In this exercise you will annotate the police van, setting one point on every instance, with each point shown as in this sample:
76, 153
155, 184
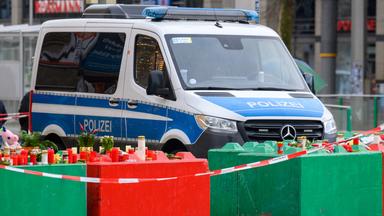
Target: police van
186, 79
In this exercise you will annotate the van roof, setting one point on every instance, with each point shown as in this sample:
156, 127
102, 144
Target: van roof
170, 26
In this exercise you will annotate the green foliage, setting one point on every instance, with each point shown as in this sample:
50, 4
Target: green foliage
35, 140
30, 139
86, 139
107, 143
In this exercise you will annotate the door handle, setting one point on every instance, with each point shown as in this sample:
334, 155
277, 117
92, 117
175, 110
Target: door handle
113, 102
132, 104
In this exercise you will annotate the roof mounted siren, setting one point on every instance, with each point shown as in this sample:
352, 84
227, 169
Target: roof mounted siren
203, 14
115, 11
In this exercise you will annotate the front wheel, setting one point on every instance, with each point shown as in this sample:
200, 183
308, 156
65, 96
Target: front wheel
174, 146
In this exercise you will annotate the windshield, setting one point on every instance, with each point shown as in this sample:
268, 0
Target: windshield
233, 62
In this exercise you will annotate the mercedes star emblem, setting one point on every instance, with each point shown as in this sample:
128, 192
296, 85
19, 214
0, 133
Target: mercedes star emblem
288, 132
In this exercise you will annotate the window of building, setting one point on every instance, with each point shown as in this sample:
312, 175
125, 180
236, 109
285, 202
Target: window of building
80, 62
5, 9
148, 57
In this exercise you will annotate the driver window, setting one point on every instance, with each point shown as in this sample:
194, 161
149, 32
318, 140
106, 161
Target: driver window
148, 57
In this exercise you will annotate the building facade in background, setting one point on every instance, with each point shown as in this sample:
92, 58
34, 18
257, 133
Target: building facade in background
17, 11
307, 37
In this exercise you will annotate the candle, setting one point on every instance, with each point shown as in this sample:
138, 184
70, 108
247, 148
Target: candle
14, 160
92, 157
44, 157
20, 159
18, 149
24, 152
74, 150
33, 158
25, 159
141, 147
51, 156
74, 158
83, 155
280, 147
115, 155
69, 150
356, 141
124, 157
7, 151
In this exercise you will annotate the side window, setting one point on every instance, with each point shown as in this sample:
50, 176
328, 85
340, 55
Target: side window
148, 57
80, 62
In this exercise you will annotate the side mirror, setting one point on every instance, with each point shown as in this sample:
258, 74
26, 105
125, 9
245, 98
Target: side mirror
310, 80
156, 84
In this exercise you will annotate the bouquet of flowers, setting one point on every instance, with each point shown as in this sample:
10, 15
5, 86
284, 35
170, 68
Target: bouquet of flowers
86, 138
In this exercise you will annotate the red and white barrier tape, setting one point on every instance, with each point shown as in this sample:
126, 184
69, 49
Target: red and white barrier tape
211, 173
13, 117
14, 114
138, 180
365, 133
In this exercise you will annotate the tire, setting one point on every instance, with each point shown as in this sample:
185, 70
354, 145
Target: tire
174, 146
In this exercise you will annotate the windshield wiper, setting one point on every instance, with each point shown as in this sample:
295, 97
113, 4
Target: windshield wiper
212, 88
270, 89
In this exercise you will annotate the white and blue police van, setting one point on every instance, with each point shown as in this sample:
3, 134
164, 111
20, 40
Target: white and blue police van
186, 79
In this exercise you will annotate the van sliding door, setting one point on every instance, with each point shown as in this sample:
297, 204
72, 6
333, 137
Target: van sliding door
102, 64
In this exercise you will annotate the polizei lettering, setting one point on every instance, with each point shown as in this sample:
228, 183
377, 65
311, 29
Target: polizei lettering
100, 125
275, 104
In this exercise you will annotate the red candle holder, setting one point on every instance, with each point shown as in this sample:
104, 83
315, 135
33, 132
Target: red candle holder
51, 156
14, 160
92, 157
74, 158
69, 150
115, 155
83, 156
20, 159
33, 159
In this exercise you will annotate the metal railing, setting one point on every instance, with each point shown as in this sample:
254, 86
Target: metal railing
355, 112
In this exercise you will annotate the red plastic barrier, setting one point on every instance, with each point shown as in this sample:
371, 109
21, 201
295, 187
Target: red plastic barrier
182, 196
380, 147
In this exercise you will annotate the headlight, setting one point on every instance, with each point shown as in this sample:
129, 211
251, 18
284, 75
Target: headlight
330, 126
216, 123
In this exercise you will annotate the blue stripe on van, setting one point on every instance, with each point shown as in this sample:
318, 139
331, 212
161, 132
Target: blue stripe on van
53, 99
184, 122
135, 127
41, 120
249, 107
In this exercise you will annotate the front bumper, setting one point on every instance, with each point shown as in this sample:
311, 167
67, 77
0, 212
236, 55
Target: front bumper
211, 140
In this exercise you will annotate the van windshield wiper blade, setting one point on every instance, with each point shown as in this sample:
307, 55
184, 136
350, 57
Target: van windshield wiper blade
212, 88
270, 89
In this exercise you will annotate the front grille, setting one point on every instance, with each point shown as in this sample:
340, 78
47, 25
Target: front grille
261, 130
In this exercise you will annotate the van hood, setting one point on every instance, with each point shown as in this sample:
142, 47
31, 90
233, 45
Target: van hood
282, 104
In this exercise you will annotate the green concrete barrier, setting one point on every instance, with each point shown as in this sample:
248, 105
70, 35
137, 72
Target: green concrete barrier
22, 194
223, 198
317, 184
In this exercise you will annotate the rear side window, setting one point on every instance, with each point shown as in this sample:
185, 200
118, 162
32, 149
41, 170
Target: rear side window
80, 62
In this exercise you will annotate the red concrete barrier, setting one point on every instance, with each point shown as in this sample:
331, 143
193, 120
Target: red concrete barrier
182, 196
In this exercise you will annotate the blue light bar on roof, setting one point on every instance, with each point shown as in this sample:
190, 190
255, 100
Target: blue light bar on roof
207, 14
